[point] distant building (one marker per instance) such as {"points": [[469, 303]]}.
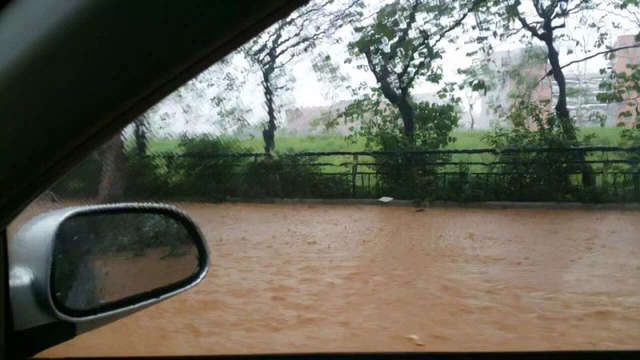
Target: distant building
{"points": [[619, 64], [313, 119], [502, 87], [581, 88]]}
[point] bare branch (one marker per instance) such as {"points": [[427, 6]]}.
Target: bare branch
{"points": [[405, 32], [550, 72], [423, 64], [372, 67], [301, 40], [526, 25], [538, 7], [513, 32], [430, 46], [307, 12], [458, 22], [631, 16], [577, 6]]}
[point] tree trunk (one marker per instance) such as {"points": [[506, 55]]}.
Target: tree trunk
{"points": [[401, 102], [400, 99], [140, 135], [562, 111], [112, 178], [406, 112], [268, 133]]}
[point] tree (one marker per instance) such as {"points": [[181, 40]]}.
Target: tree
{"points": [[140, 129], [622, 86], [278, 46], [402, 44], [549, 20], [112, 175], [546, 22], [629, 9]]}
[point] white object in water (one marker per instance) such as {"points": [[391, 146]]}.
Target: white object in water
{"points": [[416, 339], [385, 199]]}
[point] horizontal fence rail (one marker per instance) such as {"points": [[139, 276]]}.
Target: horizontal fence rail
{"points": [[582, 149]]}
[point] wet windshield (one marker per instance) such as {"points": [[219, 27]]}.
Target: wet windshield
{"points": [[417, 175]]}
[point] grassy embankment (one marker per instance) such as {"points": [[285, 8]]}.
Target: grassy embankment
{"points": [[465, 139]]}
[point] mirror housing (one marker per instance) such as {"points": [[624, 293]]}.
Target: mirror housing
{"points": [[34, 306]]}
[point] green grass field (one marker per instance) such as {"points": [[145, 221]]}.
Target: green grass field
{"points": [[465, 139]]}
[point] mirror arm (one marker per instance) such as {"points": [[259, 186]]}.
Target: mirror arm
{"points": [[26, 343], [35, 322]]}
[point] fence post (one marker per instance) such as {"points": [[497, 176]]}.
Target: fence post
{"points": [[354, 172], [588, 178], [636, 184]]}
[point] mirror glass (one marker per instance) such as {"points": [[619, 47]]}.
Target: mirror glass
{"points": [[102, 258]]}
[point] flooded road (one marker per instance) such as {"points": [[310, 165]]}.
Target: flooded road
{"points": [[307, 278]]}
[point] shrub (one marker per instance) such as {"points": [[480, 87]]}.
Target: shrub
{"points": [[406, 175], [208, 168], [291, 176], [146, 177], [536, 175]]}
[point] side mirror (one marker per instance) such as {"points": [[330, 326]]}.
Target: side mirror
{"points": [[78, 268]]}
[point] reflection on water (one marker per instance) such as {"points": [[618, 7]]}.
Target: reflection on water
{"points": [[290, 278]]}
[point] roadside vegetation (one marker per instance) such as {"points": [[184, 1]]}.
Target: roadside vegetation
{"points": [[464, 139], [204, 142]]}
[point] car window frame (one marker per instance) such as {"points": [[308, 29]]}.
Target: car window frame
{"points": [[5, 322]]}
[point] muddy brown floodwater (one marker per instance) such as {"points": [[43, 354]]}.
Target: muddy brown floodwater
{"points": [[307, 278]]}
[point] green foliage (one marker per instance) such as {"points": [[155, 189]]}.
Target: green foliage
{"points": [[599, 118], [548, 25], [290, 176], [327, 71], [480, 78], [146, 177], [389, 42], [523, 73], [186, 170], [433, 122], [623, 87], [631, 136], [400, 47], [536, 175], [201, 173], [302, 143], [405, 175], [464, 139]]}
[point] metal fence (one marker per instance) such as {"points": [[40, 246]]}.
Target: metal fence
{"points": [[588, 174]]}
